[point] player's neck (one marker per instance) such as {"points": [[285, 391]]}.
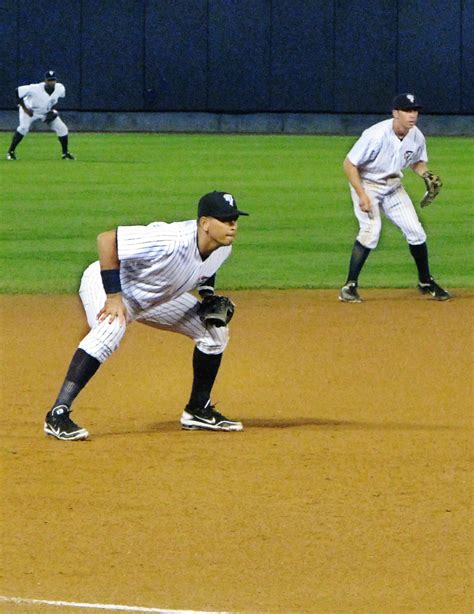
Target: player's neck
{"points": [[399, 130], [205, 244]]}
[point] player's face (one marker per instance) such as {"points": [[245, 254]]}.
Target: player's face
{"points": [[406, 119], [221, 231]]}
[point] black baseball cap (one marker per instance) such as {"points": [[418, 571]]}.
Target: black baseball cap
{"points": [[406, 102], [221, 205], [50, 75]]}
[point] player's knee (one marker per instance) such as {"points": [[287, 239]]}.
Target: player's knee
{"points": [[214, 341], [102, 341], [59, 127], [369, 235], [23, 130], [416, 236]]}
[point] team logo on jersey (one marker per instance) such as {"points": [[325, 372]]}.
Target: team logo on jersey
{"points": [[229, 198], [408, 155]]}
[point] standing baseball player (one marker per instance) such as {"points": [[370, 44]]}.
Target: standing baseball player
{"points": [[374, 169], [147, 273], [38, 101]]}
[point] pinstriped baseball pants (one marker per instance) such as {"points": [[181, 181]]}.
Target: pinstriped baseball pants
{"points": [[178, 315], [25, 122], [394, 201]]}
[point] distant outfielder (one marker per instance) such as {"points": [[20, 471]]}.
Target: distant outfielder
{"points": [[37, 101], [147, 273], [374, 169]]}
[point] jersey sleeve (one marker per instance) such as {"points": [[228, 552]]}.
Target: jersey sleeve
{"points": [[62, 90], [144, 242], [365, 150], [23, 91]]}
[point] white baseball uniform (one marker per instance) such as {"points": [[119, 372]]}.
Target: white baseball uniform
{"points": [[380, 157], [159, 266], [40, 102]]}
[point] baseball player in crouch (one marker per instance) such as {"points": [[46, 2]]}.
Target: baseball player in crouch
{"points": [[147, 273], [374, 169], [37, 101]]}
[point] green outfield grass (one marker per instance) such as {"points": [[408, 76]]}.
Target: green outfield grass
{"points": [[299, 234]]}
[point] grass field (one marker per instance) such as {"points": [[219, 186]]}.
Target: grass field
{"points": [[301, 227]]}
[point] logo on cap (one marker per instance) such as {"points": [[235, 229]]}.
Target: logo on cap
{"points": [[229, 198], [411, 98]]}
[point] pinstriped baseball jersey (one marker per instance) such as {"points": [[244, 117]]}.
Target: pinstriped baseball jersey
{"points": [[38, 99], [161, 261], [380, 154]]}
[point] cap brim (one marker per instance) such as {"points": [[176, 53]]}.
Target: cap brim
{"points": [[414, 107], [227, 216]]}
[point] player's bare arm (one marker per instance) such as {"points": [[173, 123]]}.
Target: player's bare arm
{"points": [[419, 168], [114, 306], [352, 174]]}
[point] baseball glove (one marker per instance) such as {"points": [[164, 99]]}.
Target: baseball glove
{"points": [[50, 117], [215, 310], [433, 186]]}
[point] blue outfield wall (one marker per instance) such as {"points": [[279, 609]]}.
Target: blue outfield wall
{"points": [[242, 56]]}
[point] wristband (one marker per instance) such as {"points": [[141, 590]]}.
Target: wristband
{"points": [[111, 281]]}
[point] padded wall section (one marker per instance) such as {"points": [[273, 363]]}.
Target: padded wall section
{"points": [[429, 55], [365, 55], [8, 53], [467, 57], [113, 55], [176, 55], [239, 55], [49, 39], [302, 55]]}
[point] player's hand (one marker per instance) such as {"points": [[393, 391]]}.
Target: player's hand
{"points": [[365, 204], [114, 307]]}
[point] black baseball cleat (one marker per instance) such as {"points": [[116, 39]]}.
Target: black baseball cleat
{"points": [[68, 156], [349, 294], [436, 291], [208, 419], [58, 424], [11, 155]]}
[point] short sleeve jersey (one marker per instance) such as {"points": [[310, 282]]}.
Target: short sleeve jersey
{"points": [[38, 99], [380, 154], [161, 261]]}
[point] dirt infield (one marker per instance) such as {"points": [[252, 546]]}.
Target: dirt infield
{"points": [[348, 491]]}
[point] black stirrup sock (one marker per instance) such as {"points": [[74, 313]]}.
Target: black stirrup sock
{"points": [[205, 368], [358, 257], [420, 255], [83, 366]]}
